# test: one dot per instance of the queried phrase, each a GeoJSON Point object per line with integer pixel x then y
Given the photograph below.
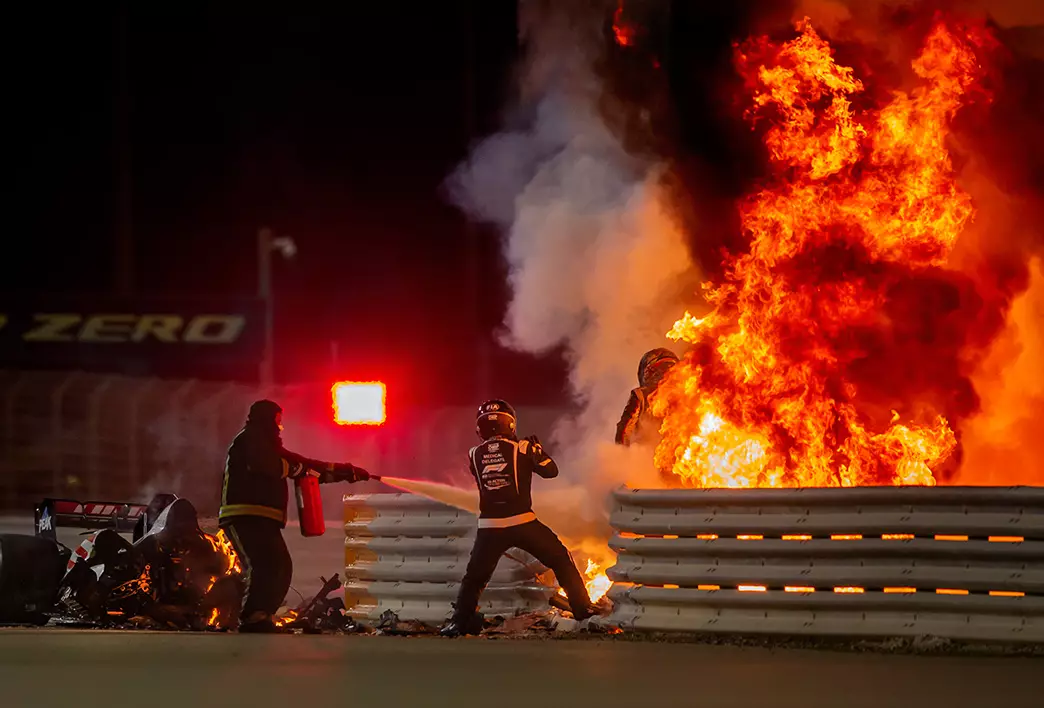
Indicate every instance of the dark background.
{"type": "Point", "coordinates": [148, 145]}
{"type": "Point", "coordinates": [334, 126]}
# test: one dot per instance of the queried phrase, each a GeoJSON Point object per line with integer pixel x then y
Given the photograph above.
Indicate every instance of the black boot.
{"type": "Point", "coordinates": [261, 623]}
{"type": "Point", "coordinates": [459, 626]}
{"type": "Point", "coordinates": [452, 629]}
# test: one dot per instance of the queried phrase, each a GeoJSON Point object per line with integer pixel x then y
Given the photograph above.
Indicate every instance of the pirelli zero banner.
{"type": "Point", "coordinates": [208, 339]}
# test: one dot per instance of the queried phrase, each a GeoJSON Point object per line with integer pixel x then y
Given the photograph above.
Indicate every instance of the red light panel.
{"type": "Point", "coordinates": [359, 402]}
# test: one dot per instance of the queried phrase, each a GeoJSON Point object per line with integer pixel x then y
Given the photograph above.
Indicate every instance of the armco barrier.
{"type": "Point", "coordinates": [963, 563]}
{"type": "Point", "coordinates": [407, 554]}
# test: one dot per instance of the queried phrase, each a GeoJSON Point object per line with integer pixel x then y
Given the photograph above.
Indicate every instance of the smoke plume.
{"type": "Point", "coordinates": [597, 264]}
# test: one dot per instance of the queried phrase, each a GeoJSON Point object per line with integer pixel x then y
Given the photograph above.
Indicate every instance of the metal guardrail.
{"type": "Point", "coordinates": [407, 554]}
{"type": "Point", "coordinates": [963, 563]}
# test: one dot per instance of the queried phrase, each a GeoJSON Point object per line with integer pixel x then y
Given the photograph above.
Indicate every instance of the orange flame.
{"type": "Point", "coordinates": [597, 582]}
{"type": "Point", "coordinates": [766, 397]}
{"type": "Point", "coordinates": [624, 33]}
{"type": "Point", "coordinates": [286, 619]}
{"type": "Point", "coordinates": [222, 545]}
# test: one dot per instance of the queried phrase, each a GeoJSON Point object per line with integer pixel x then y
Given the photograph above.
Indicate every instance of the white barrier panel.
{"type": "Point", "coordinates": [959, 562]}
{"type": "Point", "coordinates": [408, 554]}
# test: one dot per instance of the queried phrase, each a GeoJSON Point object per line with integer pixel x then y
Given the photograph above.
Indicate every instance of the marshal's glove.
{"type": "Point", "coordinates": [347, 472]}
{"type": "Point", "coordinates": [535, 448]}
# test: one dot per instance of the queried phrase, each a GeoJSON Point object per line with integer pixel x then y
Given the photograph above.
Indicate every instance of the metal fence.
{"type": "Point", "coordinates": [962, 563]}
{"type": "Point", "coordinates": [407, 554]}
{"type": "Point", "coordinates": [114, 437]}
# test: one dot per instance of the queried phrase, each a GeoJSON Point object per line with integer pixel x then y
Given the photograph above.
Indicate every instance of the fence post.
{"type": "Point", "coordinates": [176, 408]}
{"type": "Point", "coordinates": [216, 410]}
{"type": "Point", "coordinates": [94, 468]}
{"type": "Point", "coordinates": [133, 433]}
{"type": "Point", "coordinates": [57, 444]}
{"type": "Point", "coordinates": [11, 438]}
{"type": "Point", "coordinates": [7, 467]}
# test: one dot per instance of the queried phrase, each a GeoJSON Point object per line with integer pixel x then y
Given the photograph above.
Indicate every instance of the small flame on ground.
{"type": "Point", "coordinates": [222, 545]}
{"type": "Point", "coordinates": [597, 582]}
{"type": "Point", "coordinates": [141, 584]}
{"type": "Point", "coordinates": [286, 619]}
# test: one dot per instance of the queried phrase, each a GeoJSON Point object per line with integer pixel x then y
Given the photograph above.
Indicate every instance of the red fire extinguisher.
{"type": "Point", "coordinates": [309, 505]}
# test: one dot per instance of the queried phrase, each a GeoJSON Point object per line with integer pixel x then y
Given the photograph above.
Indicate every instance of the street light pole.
{"type": "Point", "coordinates": [266, 243]}
{"type": "Point", "coordinates": [124, 223]}
{"type": "Point", "coordinates": [264, 293]}
{"type": "Point", "coordinates": [472, 238]}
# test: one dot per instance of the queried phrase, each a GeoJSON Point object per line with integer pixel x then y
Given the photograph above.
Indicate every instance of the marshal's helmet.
{"type": "Point", "coordinates": [495, 418]}
{"type": "Point", "coordinates": [654, 364]}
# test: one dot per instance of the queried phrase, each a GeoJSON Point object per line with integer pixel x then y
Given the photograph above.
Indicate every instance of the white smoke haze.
{"type": "Point", "coordinates": [596, 262]}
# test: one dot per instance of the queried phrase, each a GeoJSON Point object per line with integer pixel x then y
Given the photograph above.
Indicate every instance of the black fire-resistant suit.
{"type": "Point", "coordinates": [253, 508]}
{"type": "Point", "coordinates": [503, 468]}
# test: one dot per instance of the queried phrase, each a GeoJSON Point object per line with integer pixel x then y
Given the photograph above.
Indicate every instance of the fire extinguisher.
{"type": "Point", "coordinates": [309, 505]}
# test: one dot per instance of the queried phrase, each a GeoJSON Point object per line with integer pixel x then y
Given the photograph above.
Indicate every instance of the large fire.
{"type": "Point", "coordinates": [863, 206]}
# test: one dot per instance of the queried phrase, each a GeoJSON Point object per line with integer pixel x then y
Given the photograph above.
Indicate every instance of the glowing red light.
{"type": "Point", "coordinates": [359, 402]}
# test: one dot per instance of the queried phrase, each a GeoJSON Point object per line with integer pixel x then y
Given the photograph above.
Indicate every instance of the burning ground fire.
{"type": "Point", "coordinates": [595, 580]}
{"type": "Point", "coordinates": [222, 545]}
{"type": "Point", "coordinates": [788, 383]}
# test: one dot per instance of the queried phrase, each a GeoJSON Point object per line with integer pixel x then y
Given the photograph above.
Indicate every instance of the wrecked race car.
{"type": "Point", "coordinates": [170, 574]}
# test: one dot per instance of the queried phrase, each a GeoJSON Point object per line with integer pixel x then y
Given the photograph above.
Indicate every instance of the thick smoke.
{"type": "Point", "coordinates": [597, 264]}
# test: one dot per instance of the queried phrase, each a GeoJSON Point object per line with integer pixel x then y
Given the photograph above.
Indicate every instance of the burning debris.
{"type": "Point", "coordinates": [321, 613]}
{"type": "Point", "coordinates": [174, 576]}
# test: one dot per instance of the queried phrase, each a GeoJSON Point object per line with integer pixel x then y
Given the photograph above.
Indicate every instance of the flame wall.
{"type": "Point", "coordinates": [610, 225]}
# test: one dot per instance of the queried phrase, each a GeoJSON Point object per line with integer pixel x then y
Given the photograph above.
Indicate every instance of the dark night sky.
{"type": "Point", "coordinates": [335, 126]}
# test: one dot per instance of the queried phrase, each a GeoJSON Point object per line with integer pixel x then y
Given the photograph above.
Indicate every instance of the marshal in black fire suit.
{"type": "Point", "coordinates": [253, 509]}
{"type": "Point", "coordinates": [637, 423]}
{"type": "Point", "coordinates": [503, 467]}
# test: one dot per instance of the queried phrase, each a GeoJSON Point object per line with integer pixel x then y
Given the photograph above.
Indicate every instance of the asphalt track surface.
{"type": "Point", "coordinates": [83, 668]}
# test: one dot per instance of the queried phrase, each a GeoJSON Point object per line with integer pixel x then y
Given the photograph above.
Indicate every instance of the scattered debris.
{"type": "Point", "coordinates": [521, 623]}
{"type": "Point", "coordinates": [389, 624]}
{"type": "Point", "coordinates": [321, 613]}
